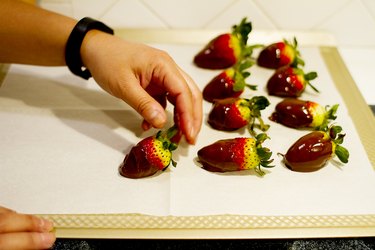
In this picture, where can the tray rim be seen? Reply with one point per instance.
(234, 226)
(138, 226)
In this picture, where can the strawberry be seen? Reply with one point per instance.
(296, 113)
(150, 155)
(290, 82)
(280, 54)
(236, 154)
(233, 113)
(229, 83)
(313, 150)
(226, 49)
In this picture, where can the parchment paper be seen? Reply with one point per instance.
(63, 138)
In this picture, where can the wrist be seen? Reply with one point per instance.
(73, 54)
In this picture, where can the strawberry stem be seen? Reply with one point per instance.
(329, 116)
(311, 76)
(263, 153)
(256, 104)
(297, 60)
(240, 74)
(172, 131)
(338, 138)
(165, 138)
(242, 31)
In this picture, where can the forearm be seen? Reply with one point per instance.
(30, 35)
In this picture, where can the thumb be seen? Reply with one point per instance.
(144, 104)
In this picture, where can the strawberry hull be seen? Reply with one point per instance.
(220, 156)
(309, 153)
(136, 165)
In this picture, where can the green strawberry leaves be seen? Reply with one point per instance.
(342, 153)
(165, 138)
(241, 74)
(297, 59)
(256, 104)
(263, 153)
(306, 77)
(330, 115)
(338, 138)
(242, 31)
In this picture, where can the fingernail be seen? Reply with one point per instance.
(47, 239)
(45, 225)
(155, 118)
(192, 134)
(145, 125)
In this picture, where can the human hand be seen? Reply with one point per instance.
(22, 231)
(145, 78)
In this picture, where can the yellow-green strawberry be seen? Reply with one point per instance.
(234, 113)
(236, 154)
(297, 113)
(150, 155)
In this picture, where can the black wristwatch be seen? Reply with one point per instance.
(73, 46)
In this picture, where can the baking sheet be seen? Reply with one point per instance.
(64, 144)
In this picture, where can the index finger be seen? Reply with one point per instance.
(197, 102)
(180, 94)
(14, 222)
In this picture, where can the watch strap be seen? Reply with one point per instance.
(73, 46)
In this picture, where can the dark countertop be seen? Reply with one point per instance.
(365, 243)
(287, 244)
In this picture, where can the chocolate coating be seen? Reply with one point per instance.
(219, 157)
(135, 164)
(292, 113)
(309, 153)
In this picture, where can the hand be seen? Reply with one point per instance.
(21, 231)
(145, 78)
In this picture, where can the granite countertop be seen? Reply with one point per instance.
(287, 244)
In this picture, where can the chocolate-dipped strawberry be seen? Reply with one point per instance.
(150, 155)
(234, 113)
(229, 83)
(226, 49)
(312, 151)
(280, 54)
(290, 82)
(236, 154)
(297, 113)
